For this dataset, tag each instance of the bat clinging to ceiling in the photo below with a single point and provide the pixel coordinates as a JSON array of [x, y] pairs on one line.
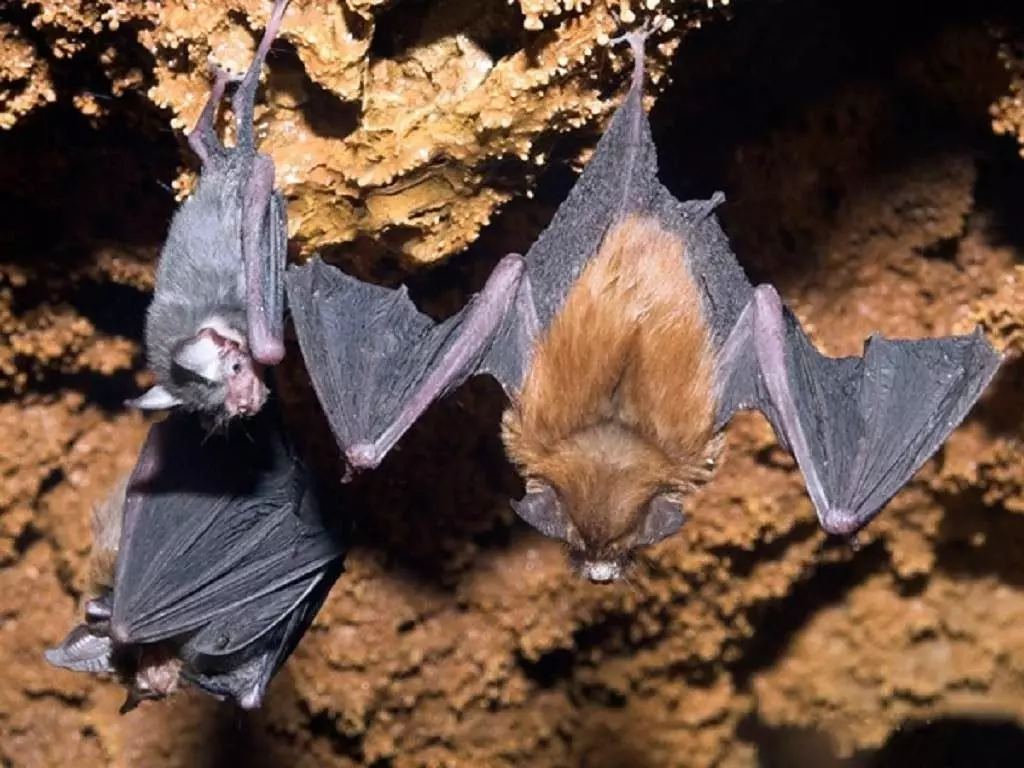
[[217, 315], [626, 339], [209, 563]]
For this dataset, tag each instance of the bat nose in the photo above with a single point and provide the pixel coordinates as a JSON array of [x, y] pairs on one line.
[[602, 572]]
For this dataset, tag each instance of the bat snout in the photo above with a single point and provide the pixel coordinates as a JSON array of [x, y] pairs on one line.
[[601, 571]]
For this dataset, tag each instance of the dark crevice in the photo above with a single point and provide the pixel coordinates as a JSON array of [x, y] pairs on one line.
[[774, 68], [550, 669], [777, 622], [977, 540], [494, 25], [114, 309], [325, 725], [24, 540], [744, 561], [945, 249], [322, 110]]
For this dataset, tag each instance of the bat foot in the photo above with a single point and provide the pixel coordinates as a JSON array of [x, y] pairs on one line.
[[637, 37], [221, 74]]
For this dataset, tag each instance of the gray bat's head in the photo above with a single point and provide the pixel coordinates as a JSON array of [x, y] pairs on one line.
[[602, 540], [211, 371]]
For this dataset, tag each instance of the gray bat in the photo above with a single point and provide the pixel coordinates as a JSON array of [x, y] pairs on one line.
[[217, 315], [210, 561], [626, 339]]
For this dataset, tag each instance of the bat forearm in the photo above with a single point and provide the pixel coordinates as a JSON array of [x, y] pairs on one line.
[[473, 333], [263, 257]]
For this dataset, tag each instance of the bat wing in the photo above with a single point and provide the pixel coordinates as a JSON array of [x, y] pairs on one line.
[[377, 363], [858, 427], [216, 533], [244, 673]]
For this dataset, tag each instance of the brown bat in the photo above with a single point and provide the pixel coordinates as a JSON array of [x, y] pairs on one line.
[[626, 338], [617, 407]]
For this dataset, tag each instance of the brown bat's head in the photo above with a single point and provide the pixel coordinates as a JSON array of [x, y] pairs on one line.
[[211, 371], [603, 493], [599, 550]]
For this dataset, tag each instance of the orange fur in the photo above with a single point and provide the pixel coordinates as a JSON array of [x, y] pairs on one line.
[[107, 518], [618, 403]]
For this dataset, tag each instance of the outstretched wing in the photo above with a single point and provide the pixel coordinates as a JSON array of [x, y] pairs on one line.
[[377, 363], [858, 427]]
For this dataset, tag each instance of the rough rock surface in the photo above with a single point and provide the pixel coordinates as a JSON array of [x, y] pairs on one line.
[[856, 146]]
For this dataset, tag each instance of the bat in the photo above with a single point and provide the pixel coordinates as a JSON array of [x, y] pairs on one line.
[[626, 339], [210, 561], [217, 314]]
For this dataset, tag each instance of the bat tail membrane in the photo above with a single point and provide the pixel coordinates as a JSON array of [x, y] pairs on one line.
[[203, 139], [377, 362], [82, 651], [858, 427]]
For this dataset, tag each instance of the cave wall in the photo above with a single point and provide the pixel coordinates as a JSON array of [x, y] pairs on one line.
[[869, 155]]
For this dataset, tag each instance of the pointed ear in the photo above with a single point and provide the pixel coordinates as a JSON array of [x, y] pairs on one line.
[[664, 518], [542, 510], [201, 355], [82, 651], [156, 399]]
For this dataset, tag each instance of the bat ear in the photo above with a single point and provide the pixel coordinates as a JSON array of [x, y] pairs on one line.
[[664, 518], [82, 651], [542, 510], [156, 399], [201, 355]]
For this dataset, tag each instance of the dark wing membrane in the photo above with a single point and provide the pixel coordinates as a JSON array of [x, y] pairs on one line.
[[236, 629], [858, 427], [216, 528], [621, 176], [366, 347], [245, 674], [377, 363]]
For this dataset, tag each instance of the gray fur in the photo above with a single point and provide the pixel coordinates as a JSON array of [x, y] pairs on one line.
[[200, 275], [224, 254]]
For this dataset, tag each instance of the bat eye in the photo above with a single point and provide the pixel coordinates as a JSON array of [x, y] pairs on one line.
[[541, 509], [664, 518], [236, 368]]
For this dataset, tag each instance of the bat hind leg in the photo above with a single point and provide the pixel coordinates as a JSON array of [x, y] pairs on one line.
[[637, 39], [203, 140], [244, 100]]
